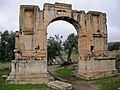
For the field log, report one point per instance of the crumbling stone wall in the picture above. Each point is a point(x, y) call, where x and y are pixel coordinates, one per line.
point(31, 40)
point(90, 26)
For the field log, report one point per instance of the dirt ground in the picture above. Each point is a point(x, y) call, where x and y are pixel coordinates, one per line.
point(77, 84)
point(80, 85)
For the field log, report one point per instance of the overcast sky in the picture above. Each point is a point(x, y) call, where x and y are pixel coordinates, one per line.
point(9, 15)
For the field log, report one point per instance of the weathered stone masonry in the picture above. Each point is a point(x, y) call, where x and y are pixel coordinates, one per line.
point(31, 40)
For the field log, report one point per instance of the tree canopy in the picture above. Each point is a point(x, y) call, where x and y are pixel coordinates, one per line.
point(71, 43)
point(56, 46)
point(113, 46)
point(7, 46)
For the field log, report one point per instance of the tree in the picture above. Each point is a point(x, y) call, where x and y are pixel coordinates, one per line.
point(54, 48)
point(7, 46)
point(70, 44)
point(55, 44)
point(114, 46)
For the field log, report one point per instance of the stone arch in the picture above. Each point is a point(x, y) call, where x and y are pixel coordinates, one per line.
point(69, 20)
point(73, 22)
point(31, 42)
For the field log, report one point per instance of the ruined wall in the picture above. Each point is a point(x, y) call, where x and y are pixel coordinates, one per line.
point(31, 41)
point(32, 38)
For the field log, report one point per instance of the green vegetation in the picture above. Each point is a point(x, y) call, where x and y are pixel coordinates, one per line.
point(7, 46)
point(4, 86)
point(25, 87)
point(65, 73)
point(74, 56)
point(70, 44)
point(110, 83)
point(7, 64)
point(2, 81)
point(118, 64)
point(113, 46)
point(56, 48)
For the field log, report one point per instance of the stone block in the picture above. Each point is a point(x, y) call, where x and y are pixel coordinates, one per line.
point(28, 72)
point(97, 68)
point(58, 85)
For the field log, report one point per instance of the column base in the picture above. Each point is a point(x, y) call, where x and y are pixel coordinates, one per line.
point(96, 68)
point(88, 75)
point(28, 72)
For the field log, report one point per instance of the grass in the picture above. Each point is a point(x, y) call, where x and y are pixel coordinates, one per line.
point(2, 81)
point(65, 73)
point(25, 87)
point(7, 64)
point(74, 56)
point(109, 83)
point(4, 86)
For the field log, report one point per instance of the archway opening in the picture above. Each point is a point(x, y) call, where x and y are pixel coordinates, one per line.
point(65, 34)
point(60, 27)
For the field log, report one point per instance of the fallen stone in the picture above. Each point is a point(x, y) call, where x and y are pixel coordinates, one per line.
point(1, 68)
point(60, 85)
point(4, 76)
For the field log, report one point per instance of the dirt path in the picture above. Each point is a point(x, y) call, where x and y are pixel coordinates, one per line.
point(80, 85)
point(77, 84)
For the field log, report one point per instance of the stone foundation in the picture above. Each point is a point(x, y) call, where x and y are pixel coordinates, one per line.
point(28, 72)
point(96, 68)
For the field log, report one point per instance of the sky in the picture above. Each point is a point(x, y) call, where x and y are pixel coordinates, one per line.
point(9, 15)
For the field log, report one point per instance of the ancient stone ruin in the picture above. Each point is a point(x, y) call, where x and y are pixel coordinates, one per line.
point(30, 65)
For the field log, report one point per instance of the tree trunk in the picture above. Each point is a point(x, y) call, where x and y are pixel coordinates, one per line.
point(60, 56)
point(69, 54)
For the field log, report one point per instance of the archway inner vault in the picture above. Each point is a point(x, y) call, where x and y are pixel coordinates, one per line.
point(31, 43)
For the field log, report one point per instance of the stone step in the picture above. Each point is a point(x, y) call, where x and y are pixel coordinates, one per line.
point(28, 81)
point(28, 75)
